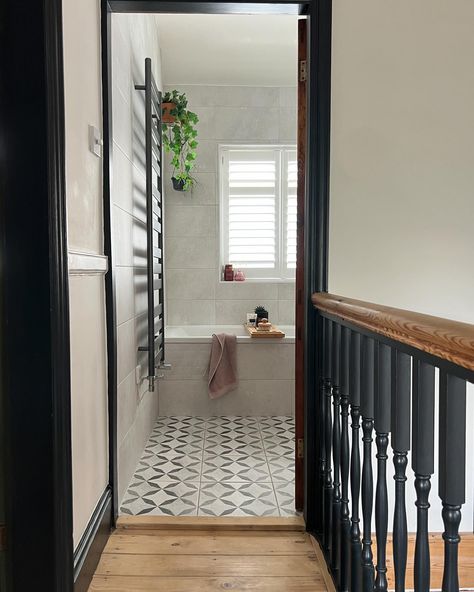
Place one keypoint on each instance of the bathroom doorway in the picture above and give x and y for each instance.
(178, 451)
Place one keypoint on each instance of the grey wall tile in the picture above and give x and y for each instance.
(260, 361)
(204, 192)
(233, 312)
(190, 312)
(286, 312)
(188, 361)
(190, 284)
(286, 291)
(287, 125)
(289, 96)
(257, 291)
(190, 221)
(124, 290)
(198, 253)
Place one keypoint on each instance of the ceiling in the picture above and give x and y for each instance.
(256, 50)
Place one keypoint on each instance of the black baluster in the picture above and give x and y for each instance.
(382, 429)
(327, 422)
(367, 409)
(423, 465)
(400, 428)
(322, 414)
(354, 397)
(452, 470)
(345, 516)
(336, 452)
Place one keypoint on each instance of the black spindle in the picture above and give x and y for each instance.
(423, 465)
(327, 422)
(345, 516)
(354, 397)
(382, 429)
(400, 428)
(452, 470)
(367, 409)
(322, 414)
(336, 452)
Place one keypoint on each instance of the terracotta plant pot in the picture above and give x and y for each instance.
(166, 112)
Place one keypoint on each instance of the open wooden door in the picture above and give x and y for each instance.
(300, 305)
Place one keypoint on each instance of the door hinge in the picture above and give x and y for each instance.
(303, 71)
(300, 447)
(3, 537)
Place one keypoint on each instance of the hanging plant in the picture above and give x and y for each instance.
(179, 138)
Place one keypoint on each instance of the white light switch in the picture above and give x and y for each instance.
(95, 141)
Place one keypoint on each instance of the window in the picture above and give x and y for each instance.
(258, 210)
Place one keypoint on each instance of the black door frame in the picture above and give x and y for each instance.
(35, 384)
(319, 16)
(35, 357)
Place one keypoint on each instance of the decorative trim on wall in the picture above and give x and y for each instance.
(92, 543)
(87, 263)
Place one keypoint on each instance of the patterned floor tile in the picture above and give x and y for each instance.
(220, 445)
(233, 432)
(282, 422)
(221, 468)
(281, 468)
(180, 468)
(237, 499)
(285, 495)
(232, 421)
(166, 499)
(277, 445)
(226, 465)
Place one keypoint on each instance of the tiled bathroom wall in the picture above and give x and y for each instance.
(134, 37)
(195, 296)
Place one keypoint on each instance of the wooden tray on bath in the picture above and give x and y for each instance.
(274, 333)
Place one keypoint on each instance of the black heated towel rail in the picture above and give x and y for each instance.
(154, 223)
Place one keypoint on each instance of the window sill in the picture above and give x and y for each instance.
(260, 281)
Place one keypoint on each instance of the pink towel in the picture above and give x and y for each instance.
(222, 365)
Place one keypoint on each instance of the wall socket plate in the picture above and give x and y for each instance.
(95, 141)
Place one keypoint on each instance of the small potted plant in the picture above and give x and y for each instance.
(261, 313)
(179, 138)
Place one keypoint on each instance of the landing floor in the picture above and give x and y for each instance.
(215, 466)
(180, 558)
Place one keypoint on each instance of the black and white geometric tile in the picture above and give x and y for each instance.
(215, 466)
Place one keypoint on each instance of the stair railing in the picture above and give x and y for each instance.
(378, 369)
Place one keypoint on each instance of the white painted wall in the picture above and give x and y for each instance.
(402, 155)
(134, 38)
(402, 163)
(85, 235)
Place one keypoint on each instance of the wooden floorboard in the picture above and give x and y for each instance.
(201, 555)
(164, 555)
(183, 584)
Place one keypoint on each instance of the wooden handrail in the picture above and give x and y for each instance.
(448, 340)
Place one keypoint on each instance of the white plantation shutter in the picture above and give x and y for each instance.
(290, 213)
(256, 220)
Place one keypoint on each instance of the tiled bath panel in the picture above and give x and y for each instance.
(266, 381)
(215, 466)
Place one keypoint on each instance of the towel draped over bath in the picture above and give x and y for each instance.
(222, 365)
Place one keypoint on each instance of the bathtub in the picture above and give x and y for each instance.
(203, 334)
(265, 368)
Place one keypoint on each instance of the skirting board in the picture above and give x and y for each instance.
(92, 543)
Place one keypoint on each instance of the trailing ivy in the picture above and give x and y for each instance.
(179, 138)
